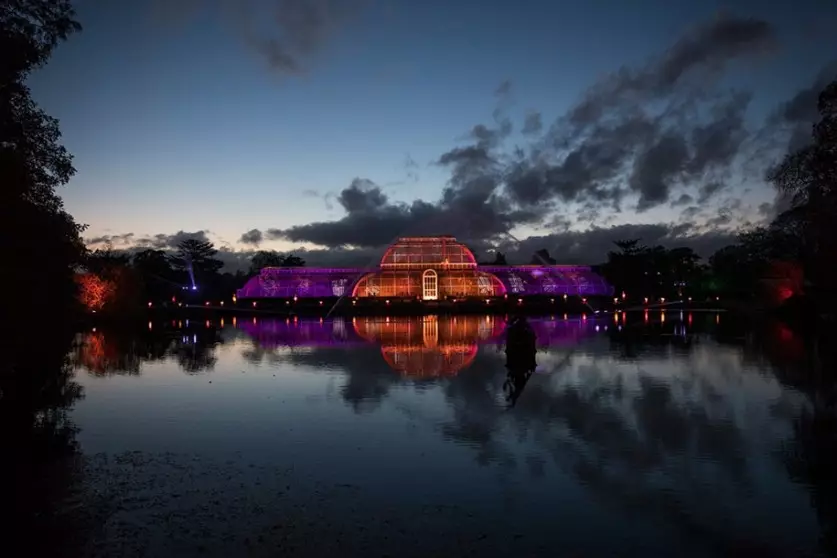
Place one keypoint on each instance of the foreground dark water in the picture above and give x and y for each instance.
(669, 434)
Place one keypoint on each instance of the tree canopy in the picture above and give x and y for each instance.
(199, 255)
(809, 177)
(40, 236)
(269, 258)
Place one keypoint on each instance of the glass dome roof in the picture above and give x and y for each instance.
(422, 252)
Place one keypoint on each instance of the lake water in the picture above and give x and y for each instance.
(662, 434)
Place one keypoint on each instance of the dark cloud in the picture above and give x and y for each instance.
(411, 168)
(656, 168)
(362, 196)
(766, 210)
(638, 135)
(289, 34)
(110, 240)
(253, 236)
(157, 241)
(718, 142)
(504, 89)
(701, 54)
(591, 246)
(684, 199)
(469, 208)
(533, 123)
(708, 191)
(690, 212)
(588, 172)
(171, 241)
(798, 114)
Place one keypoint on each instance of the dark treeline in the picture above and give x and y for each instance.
(120, 283)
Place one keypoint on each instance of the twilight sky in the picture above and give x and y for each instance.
(335, 126)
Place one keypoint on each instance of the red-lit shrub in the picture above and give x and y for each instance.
(94, 291)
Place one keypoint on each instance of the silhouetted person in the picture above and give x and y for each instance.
(520, 357)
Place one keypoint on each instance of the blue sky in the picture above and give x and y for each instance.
(177, 124)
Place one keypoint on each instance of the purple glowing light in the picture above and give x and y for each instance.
(528, 280)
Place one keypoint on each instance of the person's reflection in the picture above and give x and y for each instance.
(520, 358)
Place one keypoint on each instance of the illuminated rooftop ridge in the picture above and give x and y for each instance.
(424, 252)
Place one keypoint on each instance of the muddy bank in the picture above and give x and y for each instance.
(141, 505)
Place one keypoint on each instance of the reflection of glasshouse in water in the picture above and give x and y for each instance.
(427, 268)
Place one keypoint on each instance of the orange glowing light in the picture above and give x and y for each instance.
(616, 317)
(663, 316)
(150, 327)
(662, 299)
(94, 291)
(235, 322)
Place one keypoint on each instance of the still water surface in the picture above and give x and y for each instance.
(663, 435)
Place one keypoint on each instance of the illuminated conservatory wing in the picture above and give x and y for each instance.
(426, 268)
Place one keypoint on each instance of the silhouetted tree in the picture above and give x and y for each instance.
(155, 271)
(265, 258)
(293, 261)
(41, 241)
(809, 177)
(499, 259)
(653, 271)
(542, 257)
(198, 254)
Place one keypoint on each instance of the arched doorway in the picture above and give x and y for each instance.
(429, 285)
